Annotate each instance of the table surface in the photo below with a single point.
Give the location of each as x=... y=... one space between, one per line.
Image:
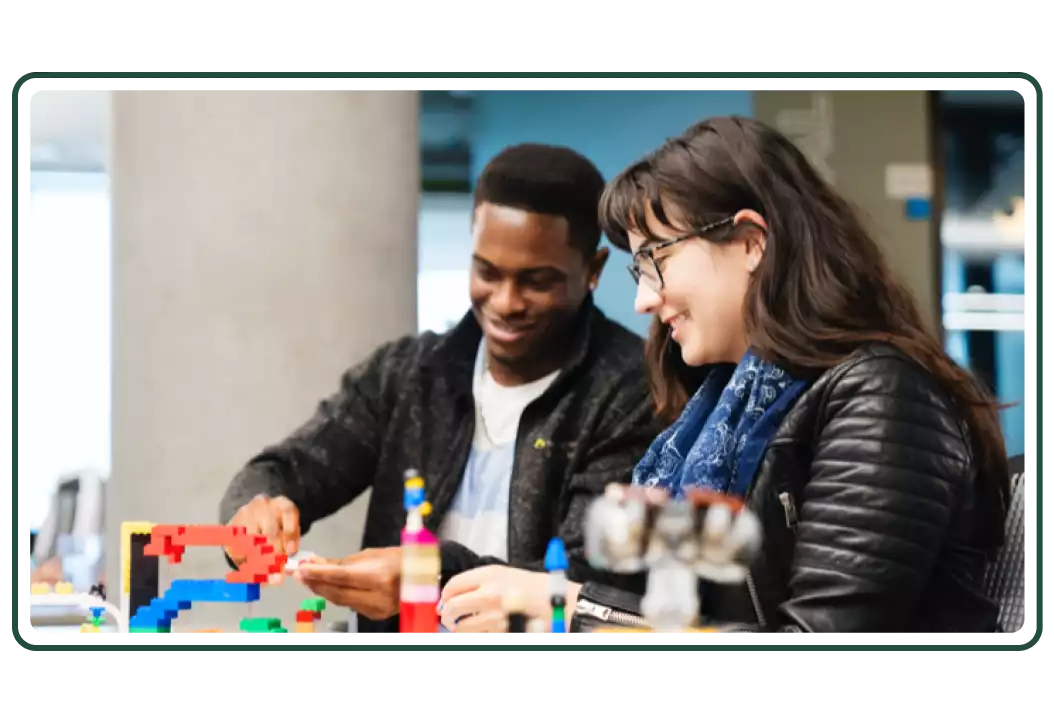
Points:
x=109 y=633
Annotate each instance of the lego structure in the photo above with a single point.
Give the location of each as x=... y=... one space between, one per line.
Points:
x=628 y=529
x=708 y=535
x=144 y=543
x=419 y=586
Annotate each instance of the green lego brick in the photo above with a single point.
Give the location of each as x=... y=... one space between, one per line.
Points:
x=259 y=624
x=267 y=631
x=97 y=621
x=150 y=630
x=314 y=604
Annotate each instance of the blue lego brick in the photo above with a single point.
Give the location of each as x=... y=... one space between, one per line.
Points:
x=150 y=614
x=215 y=591
x=161 y=611
x=148 y=623
x=97 y=611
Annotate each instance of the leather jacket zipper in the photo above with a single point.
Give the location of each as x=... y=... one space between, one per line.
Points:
x=606 y=614
x=755 y=600
x=790 y=512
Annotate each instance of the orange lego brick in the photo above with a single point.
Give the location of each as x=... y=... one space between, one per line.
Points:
x=242 y=576
x=209 y=534
x=173 y=531
x=305 y=627
x=163 y=545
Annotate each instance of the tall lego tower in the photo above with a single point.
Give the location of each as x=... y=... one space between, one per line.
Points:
x=419 y=589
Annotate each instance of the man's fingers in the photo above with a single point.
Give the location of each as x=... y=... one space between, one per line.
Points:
x=289 y=517
x=361 y=575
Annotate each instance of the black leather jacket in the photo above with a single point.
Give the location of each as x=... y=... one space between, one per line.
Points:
x=867 y=498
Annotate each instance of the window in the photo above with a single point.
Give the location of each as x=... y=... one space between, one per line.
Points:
x=63 y=334
x=982 y=238
x=444 y=255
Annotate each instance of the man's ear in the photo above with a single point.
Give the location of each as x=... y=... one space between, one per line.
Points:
x=596 y=266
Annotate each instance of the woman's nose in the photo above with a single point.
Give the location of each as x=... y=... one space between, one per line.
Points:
x=647 y=300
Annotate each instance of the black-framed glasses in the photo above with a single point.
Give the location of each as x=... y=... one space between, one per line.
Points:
x=649 y=269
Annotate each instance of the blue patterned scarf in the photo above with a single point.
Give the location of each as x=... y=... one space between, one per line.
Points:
x=720 y=438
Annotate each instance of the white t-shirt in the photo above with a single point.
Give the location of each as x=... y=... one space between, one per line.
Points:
x=479 y=515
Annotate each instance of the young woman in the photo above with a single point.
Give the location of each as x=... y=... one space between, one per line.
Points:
x=798 y=374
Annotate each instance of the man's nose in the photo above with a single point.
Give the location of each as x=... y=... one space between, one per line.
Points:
x=647 y=300
x=507 y=299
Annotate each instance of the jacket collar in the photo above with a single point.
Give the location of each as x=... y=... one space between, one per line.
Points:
x=456 y=350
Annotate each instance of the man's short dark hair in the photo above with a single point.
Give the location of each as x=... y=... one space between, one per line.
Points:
x=548 y=180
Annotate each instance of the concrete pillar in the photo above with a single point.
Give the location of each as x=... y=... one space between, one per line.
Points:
x=877 y=149
x=262 y=243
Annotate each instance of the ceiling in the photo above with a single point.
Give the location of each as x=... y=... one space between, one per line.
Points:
x=69 y=131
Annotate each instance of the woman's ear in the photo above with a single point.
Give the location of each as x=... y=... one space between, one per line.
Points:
x=755 y=231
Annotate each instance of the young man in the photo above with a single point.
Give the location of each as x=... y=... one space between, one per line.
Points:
x=516 y=418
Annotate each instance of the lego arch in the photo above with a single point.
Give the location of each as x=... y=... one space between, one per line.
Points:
x=143 y=543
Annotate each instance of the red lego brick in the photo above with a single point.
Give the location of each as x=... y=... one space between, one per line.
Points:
x=418 y=617
x=307 y=616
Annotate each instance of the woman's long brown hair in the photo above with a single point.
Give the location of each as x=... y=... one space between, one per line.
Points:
x=823 y=289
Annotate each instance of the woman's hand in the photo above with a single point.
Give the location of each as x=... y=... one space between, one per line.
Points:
x=472 y=601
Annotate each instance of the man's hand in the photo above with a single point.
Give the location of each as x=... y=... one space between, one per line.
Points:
x=277 y=518
x=367 y=582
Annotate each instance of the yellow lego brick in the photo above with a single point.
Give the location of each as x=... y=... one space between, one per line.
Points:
x=302 y=627
x=89 y=628
x=128 y=529
x=64 y=588
x=40 y=589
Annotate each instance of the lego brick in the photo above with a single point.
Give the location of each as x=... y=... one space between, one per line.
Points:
x=279 y=630
x=64 y=588
x=149 y=629
x=302 y=627
x=168 y=530
x=307 y=616
x=259 y=624
x=143 y=572
x=97 y=611
x=164 y=545
x=143 y=621
x=243 y=577
x=40 y=589
x=218 y=535
x=316 y=604
x=128 y=529
x=215 y=591
x=89 y=628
